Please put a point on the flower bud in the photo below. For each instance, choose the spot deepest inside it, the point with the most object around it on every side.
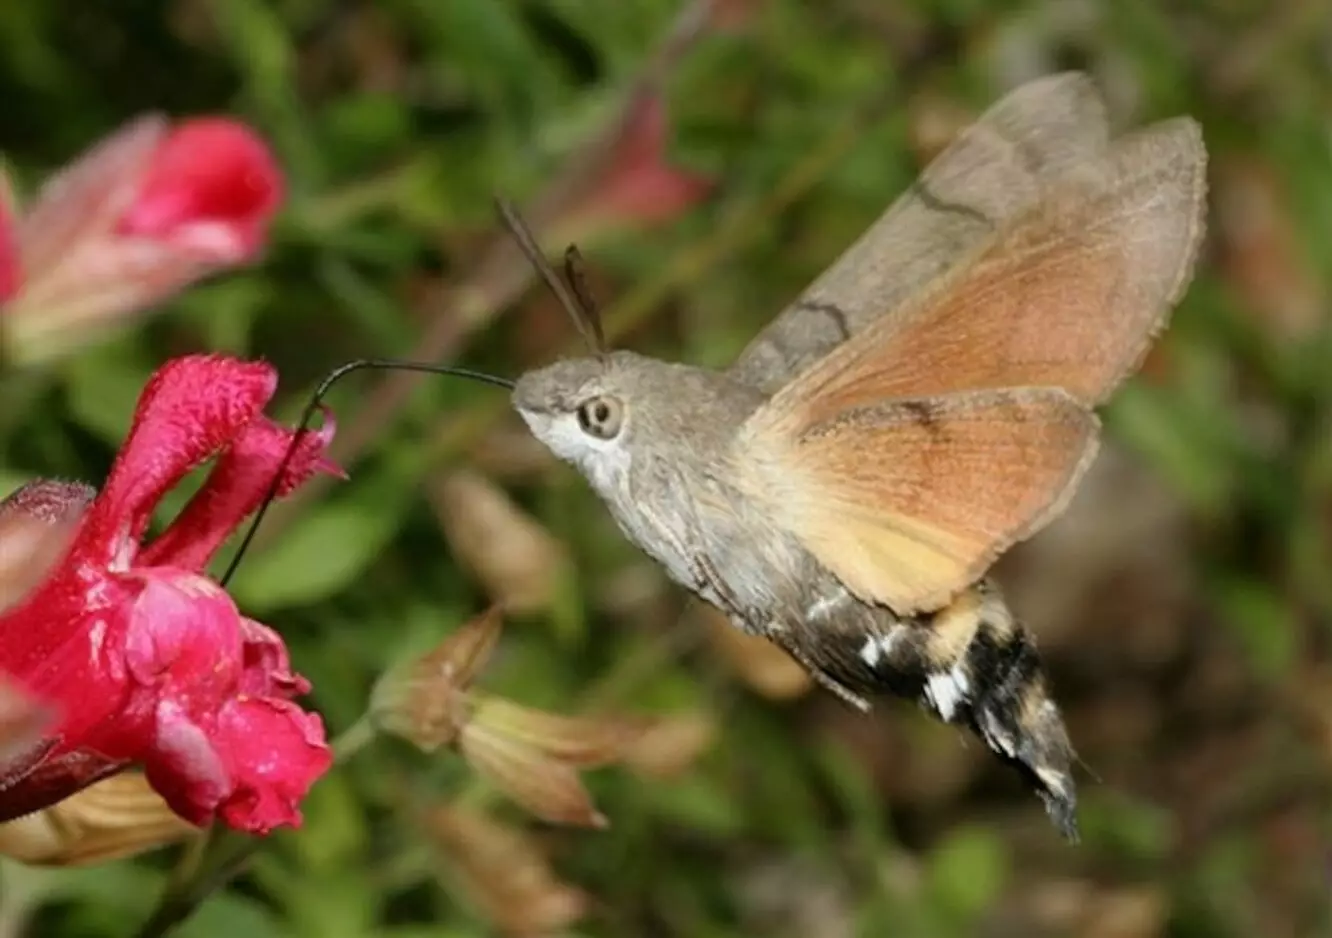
(502, 873)
(424, 701)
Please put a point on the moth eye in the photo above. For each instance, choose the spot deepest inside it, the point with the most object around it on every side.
(601, 417)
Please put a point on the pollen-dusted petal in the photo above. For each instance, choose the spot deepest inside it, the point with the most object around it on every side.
(37, 522)
(191, 408)
(237, 486)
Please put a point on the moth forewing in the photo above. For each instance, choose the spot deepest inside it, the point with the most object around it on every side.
(995, 169)
(908, 502)
(1069, 295)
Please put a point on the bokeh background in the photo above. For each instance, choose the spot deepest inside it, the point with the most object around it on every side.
(711, 158)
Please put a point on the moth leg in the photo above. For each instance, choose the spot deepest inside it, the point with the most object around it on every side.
(708, 579)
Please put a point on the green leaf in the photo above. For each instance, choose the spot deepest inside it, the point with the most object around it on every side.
(324, 552)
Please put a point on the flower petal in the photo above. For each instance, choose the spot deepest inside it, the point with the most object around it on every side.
(217, 748)
(236, 487)
(212, 190)
(251, 768)
(37, 522)
(97, 285)
(265, 665)
(86, 199)
(191, 408)
(277, 751)
(11, 269)
(639, 187)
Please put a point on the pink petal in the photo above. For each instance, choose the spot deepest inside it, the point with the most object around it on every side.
(97, 283)
(185, 768)
(643, 136)
(647, 194)
(235, 488)
(184, 631)
(37, 523)
(218, 746)
(85, 200)
(11, 270)
(213, 189)
(266, 668)
(276, 752)
(639, 187)
(251, 767)
(191, 408)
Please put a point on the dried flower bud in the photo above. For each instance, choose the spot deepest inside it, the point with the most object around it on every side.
(37, 522)
(762, 665)
(424, 701)
(118, 817)
(548, 788)
(584, 741)
(1261, 255)
(672, 744)
(517, 560)
(534, 756)
(503, 874)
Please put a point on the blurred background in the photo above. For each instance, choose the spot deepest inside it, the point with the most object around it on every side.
(711, 159)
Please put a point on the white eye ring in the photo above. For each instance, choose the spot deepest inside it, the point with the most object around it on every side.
(601, 417)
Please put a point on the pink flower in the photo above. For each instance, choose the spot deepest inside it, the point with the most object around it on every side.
(143, 214)
(143, 657)
(212, 188)
(639, 188)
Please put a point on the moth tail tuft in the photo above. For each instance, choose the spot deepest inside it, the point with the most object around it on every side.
(971, 665)
(1009, 707)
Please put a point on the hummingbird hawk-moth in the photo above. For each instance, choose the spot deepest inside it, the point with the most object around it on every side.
(929, 401)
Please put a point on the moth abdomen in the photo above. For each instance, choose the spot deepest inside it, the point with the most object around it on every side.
(970, 664)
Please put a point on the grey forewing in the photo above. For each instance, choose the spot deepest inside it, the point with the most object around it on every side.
(993, 171)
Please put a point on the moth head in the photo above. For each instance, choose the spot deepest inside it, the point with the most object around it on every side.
(582, 409)
(608, 415)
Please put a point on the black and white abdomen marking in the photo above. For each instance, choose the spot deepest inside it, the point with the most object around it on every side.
(969, 664)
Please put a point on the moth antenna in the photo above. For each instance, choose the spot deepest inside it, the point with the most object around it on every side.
(589, 329)
(575, 272)
(303, 428)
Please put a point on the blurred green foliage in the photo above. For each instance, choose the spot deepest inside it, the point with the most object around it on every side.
(397, 121)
